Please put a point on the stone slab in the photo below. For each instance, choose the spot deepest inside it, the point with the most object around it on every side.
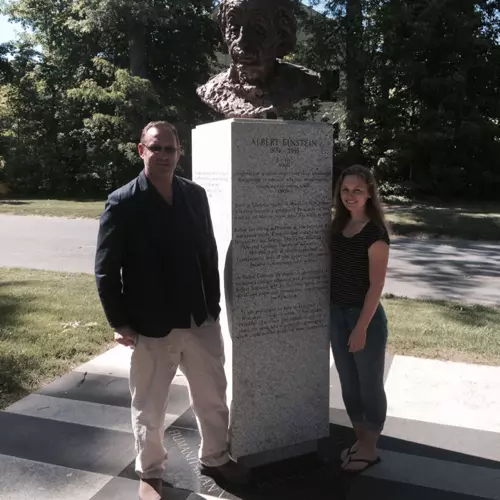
(437, 474)
(114, 418)
(459, 394)
(94, 388)
(69, 445)
(22, 479)
(183, 470)
(365, 486)
(405, 472)
(105, 389)
(126, 489)
(115, 362)
(427, 440)
(294, 479)
(269, 189)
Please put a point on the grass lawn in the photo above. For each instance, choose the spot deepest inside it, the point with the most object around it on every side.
(52, 208)
(470, 222)
(51, 322)
(443, 330)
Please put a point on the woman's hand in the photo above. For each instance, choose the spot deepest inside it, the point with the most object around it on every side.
(357, 339)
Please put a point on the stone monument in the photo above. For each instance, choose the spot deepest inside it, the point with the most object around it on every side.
(269, 188)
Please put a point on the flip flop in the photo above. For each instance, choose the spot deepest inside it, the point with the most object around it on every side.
(369, 463)
(347, 452)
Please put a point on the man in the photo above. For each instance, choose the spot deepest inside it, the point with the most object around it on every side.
(157, 277)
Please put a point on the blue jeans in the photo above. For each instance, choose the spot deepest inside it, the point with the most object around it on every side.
(362, 373)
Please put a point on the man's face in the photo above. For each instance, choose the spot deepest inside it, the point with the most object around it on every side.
(251, 35)
(160, 152)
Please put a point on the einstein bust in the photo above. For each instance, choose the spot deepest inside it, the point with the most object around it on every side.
(258, 84)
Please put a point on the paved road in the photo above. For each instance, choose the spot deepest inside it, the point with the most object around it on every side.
(469, 271)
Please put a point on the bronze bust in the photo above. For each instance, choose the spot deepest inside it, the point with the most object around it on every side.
(258, 84)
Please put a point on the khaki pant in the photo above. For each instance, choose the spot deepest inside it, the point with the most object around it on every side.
(199, 352)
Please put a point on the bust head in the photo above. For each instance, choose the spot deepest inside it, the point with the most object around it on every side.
(257, 32)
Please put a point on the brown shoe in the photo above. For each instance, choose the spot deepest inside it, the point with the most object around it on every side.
(231, 471)
(150, 489)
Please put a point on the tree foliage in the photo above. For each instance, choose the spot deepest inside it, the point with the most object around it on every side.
(422, 89)
(87, 80)
(414, 88)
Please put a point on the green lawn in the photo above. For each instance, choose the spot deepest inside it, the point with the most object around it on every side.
(51, 322)
(52, 208)
(443, 330)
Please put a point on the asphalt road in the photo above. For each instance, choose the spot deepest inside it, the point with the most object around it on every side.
(457, 270)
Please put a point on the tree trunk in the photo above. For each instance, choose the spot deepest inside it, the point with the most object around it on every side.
(137, 48)
(386, 82)
(355, 70)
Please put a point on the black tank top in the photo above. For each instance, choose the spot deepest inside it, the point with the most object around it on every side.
(350, 264)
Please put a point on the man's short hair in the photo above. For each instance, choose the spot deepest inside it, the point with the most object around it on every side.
(160, 124)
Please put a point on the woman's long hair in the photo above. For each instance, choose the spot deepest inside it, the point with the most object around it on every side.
(373, 205)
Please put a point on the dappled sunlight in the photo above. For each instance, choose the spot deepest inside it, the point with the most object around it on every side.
(465, 271)
(435, 221)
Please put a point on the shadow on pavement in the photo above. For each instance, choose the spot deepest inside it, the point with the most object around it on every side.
(453, 269)
(14, 203)
(436, 222)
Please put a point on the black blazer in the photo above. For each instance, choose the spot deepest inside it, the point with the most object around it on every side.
(130, 261)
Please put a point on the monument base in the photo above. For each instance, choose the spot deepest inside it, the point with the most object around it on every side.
(269, 186)
(312, 475)
(278, 455)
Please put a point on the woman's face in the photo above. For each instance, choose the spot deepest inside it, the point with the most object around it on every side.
(354, 192)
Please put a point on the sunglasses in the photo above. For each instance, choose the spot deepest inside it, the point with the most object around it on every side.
(170, 150)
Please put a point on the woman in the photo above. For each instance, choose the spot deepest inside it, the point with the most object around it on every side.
(358, 331)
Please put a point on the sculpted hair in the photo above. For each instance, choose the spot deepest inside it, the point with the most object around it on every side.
(373, 205)
(160, 124)
(284, 21)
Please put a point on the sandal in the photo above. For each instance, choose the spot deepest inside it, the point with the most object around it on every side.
(347, 452)
(369, 463)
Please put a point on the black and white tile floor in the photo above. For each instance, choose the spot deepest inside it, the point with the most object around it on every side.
(72, 440)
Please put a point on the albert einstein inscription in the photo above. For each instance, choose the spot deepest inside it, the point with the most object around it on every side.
(280, 224)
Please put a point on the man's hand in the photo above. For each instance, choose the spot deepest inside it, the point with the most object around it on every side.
(126, 336)
(357, 340)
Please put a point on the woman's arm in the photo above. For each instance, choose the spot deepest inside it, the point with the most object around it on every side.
(378, 256)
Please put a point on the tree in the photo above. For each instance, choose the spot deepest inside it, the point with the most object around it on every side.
(108, 130)
(422, 89)
(440, 118)
(5, 67)
(103, 70)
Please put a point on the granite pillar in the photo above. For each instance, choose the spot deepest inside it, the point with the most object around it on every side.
(269, 189)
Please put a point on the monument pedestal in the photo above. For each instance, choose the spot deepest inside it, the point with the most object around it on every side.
(269, 185)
